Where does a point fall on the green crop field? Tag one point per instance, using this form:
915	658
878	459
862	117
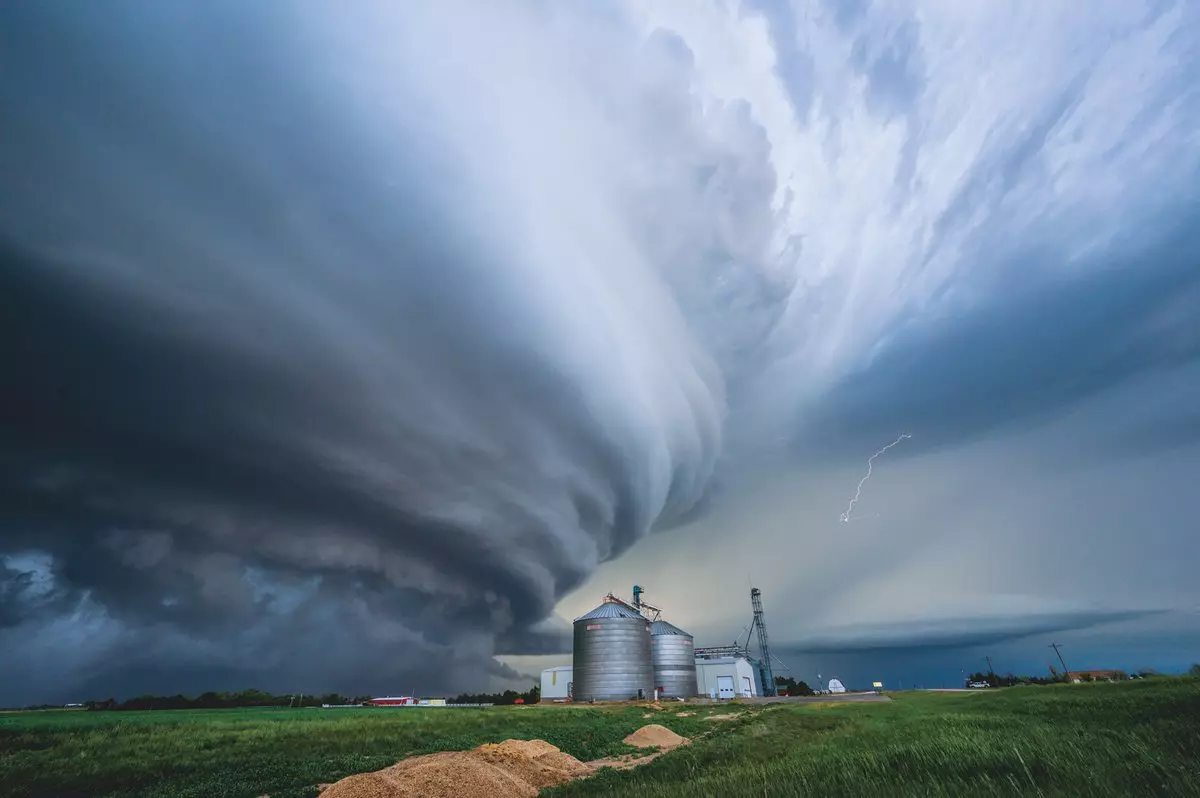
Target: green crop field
1139	738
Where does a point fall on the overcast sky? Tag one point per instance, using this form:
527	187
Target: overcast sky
361	351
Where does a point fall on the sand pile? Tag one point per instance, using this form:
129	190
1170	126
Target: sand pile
511	769
655	736
652	736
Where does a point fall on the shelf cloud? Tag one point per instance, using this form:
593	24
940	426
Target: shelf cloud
340	348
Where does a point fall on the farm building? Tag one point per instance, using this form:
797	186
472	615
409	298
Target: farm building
1096	676
726	677
393	701
626	651
556	683
716	677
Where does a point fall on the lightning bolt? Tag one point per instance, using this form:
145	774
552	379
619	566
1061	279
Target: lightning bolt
845	518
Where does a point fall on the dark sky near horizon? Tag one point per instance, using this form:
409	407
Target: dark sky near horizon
357	352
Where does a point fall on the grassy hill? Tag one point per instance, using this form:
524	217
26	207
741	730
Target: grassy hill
1140	738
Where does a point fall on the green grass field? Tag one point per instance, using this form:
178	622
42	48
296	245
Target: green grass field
1140	738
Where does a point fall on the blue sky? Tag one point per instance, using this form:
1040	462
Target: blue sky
351	352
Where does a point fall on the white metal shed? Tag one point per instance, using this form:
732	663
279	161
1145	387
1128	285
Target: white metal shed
556	682
726	677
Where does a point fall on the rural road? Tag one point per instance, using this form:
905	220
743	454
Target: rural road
816	699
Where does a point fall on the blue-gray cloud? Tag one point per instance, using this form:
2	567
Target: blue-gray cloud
341	348
1034	351
957	632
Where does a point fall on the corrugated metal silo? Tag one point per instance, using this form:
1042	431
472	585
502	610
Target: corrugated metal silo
673	654
612	654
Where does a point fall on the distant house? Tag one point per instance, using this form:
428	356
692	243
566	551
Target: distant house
1095	676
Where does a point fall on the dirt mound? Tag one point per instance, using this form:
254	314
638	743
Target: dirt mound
655	736
511	769
685	714
727	716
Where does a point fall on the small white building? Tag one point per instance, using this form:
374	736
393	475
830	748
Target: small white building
556	683
725	678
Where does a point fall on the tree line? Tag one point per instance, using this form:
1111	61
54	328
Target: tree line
531	696
786	685
261	698
1057	677
222	700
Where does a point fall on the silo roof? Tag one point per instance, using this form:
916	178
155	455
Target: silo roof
610	609
664	628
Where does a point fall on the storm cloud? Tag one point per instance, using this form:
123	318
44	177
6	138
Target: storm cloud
340	348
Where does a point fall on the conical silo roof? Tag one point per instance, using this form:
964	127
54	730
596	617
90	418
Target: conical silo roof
609	609
664	628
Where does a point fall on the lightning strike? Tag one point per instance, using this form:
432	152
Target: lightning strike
845	517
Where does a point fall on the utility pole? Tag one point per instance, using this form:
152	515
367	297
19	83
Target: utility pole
1066	671
991	671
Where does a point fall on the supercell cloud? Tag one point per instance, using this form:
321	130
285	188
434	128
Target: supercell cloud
340	347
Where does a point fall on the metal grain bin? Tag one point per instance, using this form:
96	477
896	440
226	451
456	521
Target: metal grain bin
673	655
612	654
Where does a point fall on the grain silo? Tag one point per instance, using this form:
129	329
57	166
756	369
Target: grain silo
612	654
673	655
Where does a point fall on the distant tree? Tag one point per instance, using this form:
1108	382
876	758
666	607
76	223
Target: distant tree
1194	670
333	699
786	685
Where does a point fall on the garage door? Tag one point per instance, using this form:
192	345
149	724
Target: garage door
725	687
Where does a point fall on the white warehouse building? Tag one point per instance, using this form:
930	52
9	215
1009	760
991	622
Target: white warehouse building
718	677
556	683
726	677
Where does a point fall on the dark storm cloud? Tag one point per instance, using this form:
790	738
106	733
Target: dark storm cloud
25	594
549	637
276	408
